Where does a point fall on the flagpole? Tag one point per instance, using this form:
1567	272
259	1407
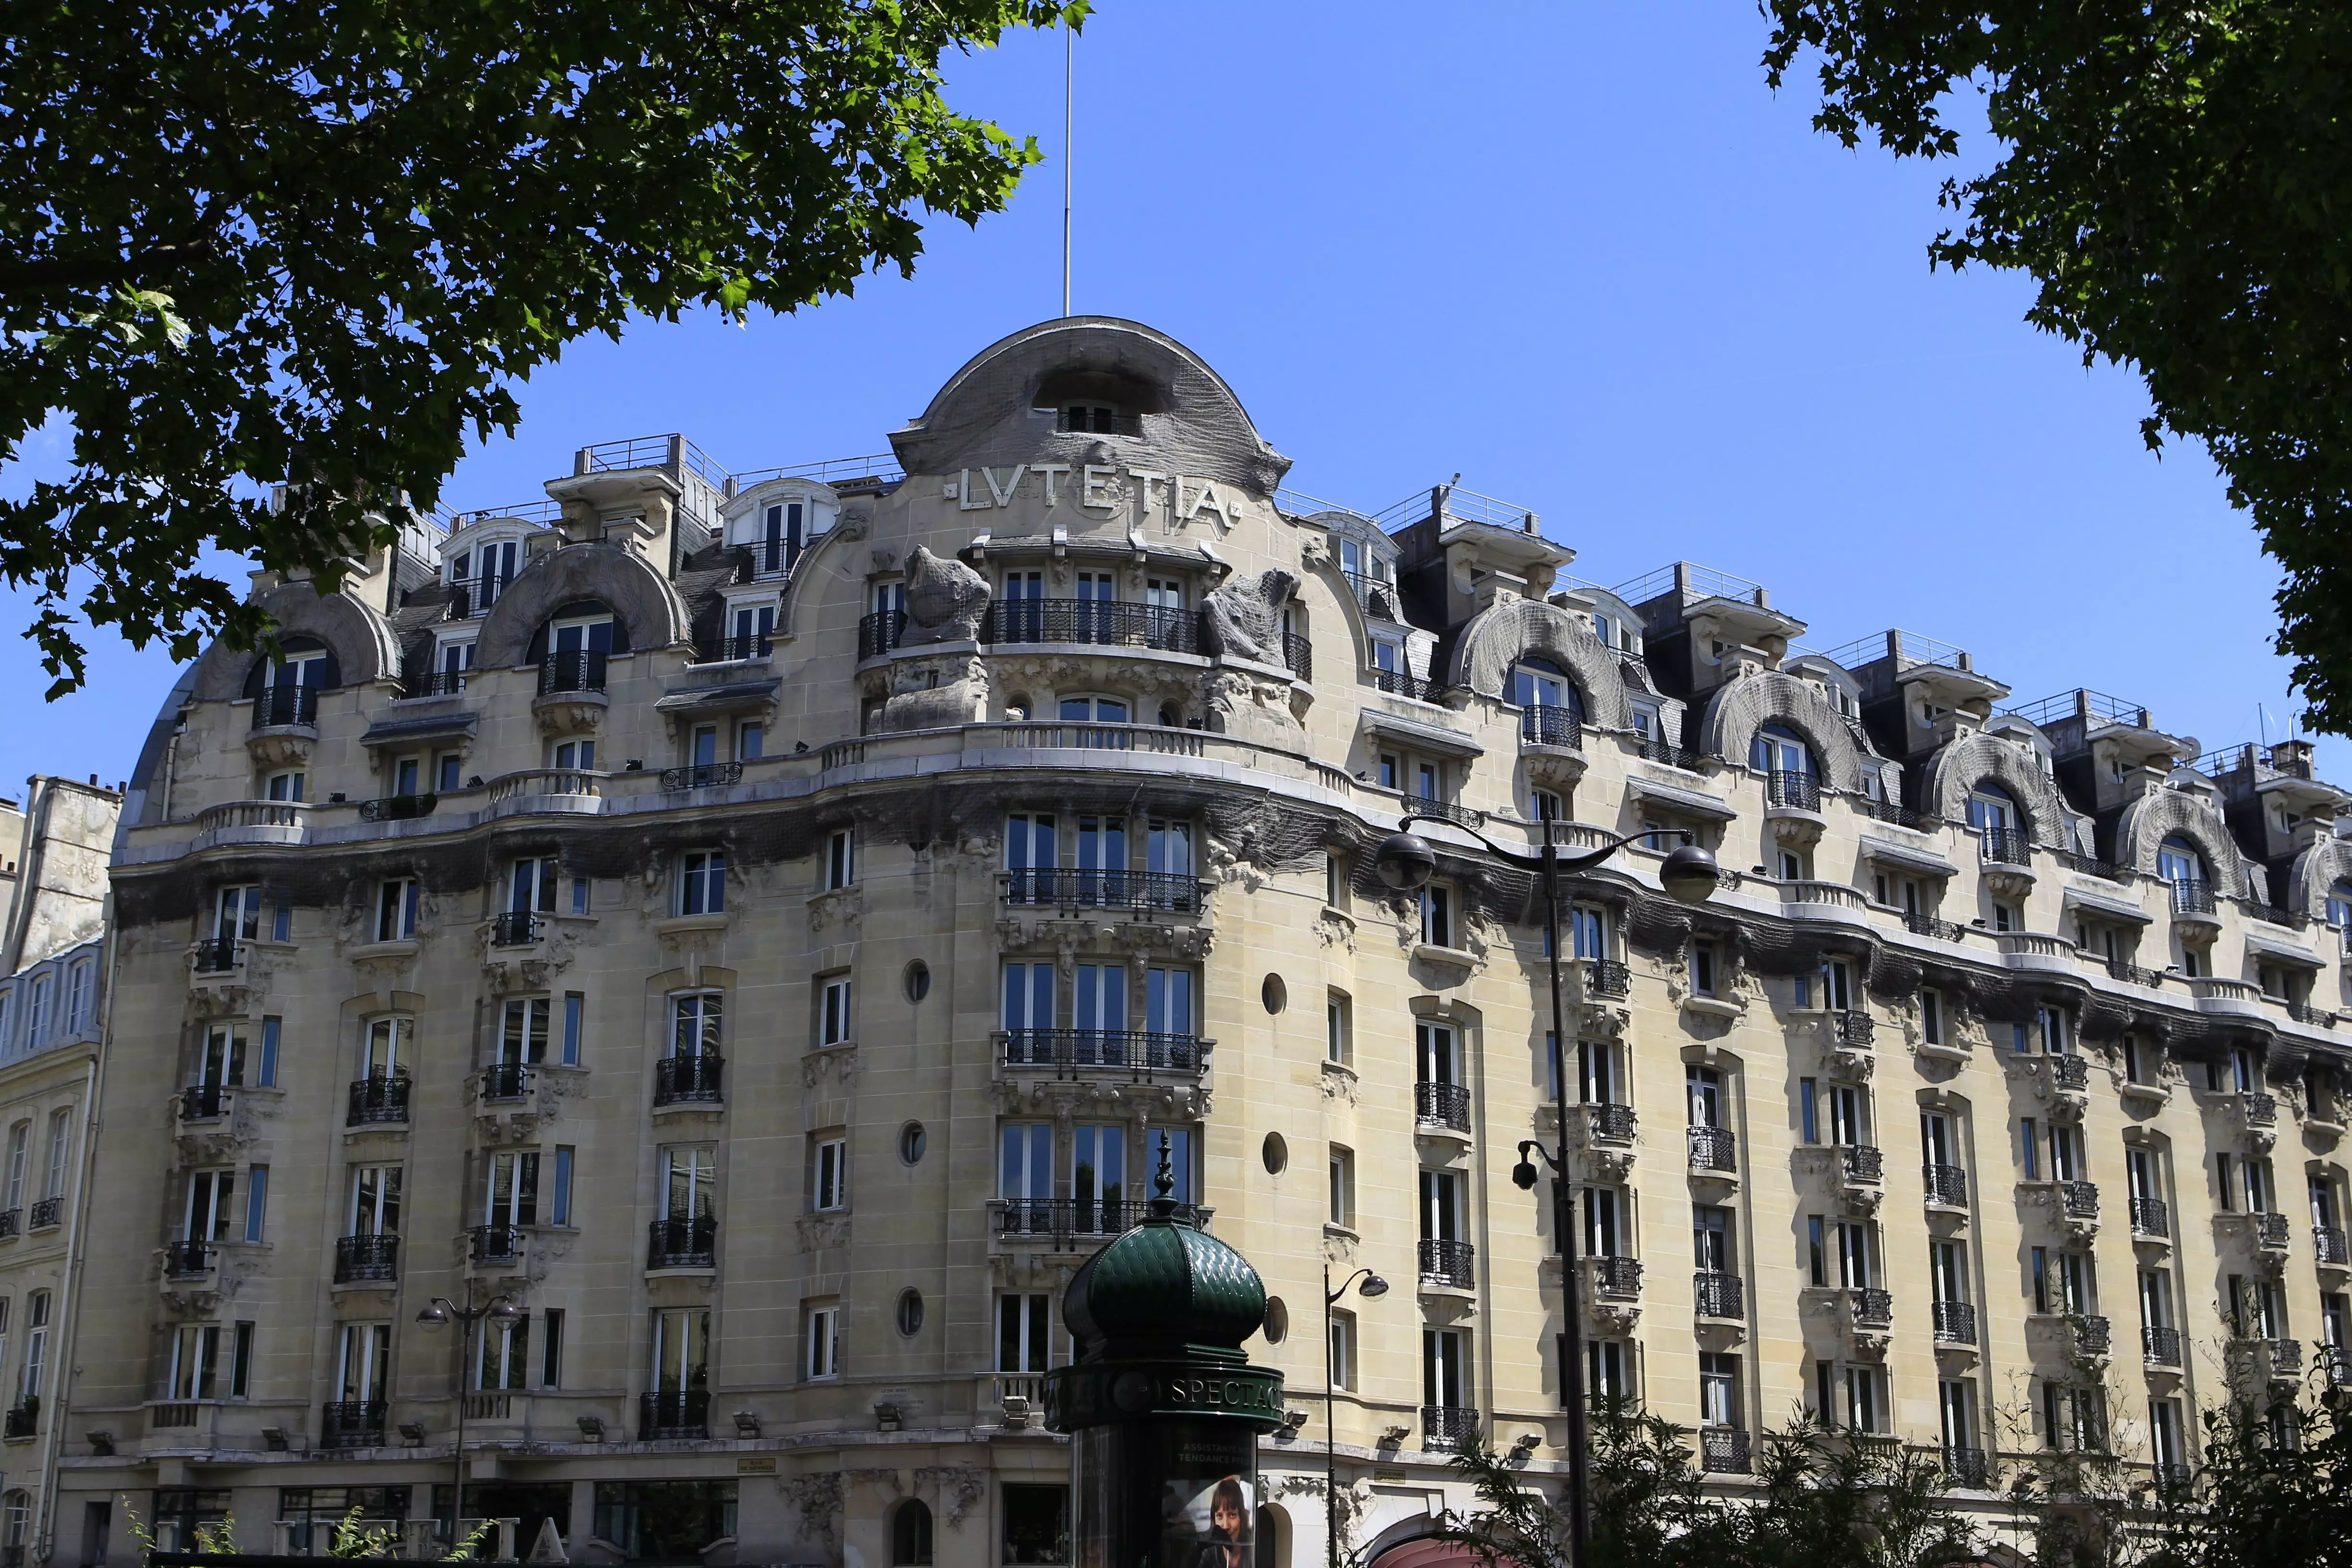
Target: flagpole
1069	118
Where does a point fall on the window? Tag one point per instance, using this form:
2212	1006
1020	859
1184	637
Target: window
2164	1440
530	886
575	1009
1437	1055
288	786
1606	1370
820	1337
1390	778
363	1364
2178	862
1444	1368
2027	1153
1337	1034
1437	916
209	1206
681	1351
1343	1350
695	1019
1718	1389
522	1039
1096	711
1778	750
449	765
702	882
78	998
1342	1211
256	1201
1865	1399
1809	1112
1931	1015
828	1172
502	1356
690	1181
1334	881
240	1363
1440	1207
910	1535
2073	1419
237	914
840	858
1702	968
560	1210
60	1150
574	754
195	1348
386	1047
1545	806
1817	1252
2058	1031
375	1201
395	910
551	1350
1704	1088
1036	1525
833	1012
36	1346
1023	1325
511	1189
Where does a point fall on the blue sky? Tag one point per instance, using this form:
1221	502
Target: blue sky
1578	253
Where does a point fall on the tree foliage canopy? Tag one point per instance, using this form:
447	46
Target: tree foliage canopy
244	243
2177	176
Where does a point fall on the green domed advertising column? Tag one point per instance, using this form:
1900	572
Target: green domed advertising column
1162	1406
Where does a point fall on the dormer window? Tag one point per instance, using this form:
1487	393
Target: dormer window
1098	419
483	573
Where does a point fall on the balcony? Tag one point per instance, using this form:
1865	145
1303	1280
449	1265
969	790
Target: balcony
217	955
12	1223
1550	727
2078	1200
1398	683
398	807
1967	1468
1445	1105
1713	1149
367	1259
1447	1426
47	1214
1606	977
2151	1218
2159	1346
730	650
1900	815
2270	1231
1918	924
352	1424
2068	1071
514	928
1165	629
2133	974
506	1081
702	776
205	1101
2312	1017
683	1241
22	1421
2274	1361
1948	1185
1719	1295
1793	790
495	1244
1073	888
1862	1163
2005	845
2340	1365
689	1080
1854	1028
1448	1263
2092	1336
1062	1222
2260	1109
1610	1124
576	669
1299	656
1671	756
1615	1279
1956	1323
1068	1052
2329	1248
2192	898
286	707
1440	810
685	1414
1872	1308
186	1260
416	684
880	632
1723	1450
378	1100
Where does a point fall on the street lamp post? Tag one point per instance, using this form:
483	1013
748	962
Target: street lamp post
1372	1289
437	1315
1689	875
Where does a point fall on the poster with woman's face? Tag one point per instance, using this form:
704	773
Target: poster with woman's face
1208	1525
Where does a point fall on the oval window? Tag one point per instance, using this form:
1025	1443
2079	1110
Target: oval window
1273	994
910	1312
1277	1321
910	1142
918	981
1276	1154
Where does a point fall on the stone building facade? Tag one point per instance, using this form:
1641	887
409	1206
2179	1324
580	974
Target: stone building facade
756	930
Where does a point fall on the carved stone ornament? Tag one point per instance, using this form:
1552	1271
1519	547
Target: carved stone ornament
945	598
958	1487
1243	618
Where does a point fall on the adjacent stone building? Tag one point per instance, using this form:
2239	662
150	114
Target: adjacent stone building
755	931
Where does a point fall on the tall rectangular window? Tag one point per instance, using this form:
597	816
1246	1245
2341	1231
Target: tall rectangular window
1437	916
257	1200
828	1173
522	1037
833	1015
1343	1350
1342	1210
60	1153
840	858
267	1077
1931	1017
1023	1322
702	882
240	1363
559	1209
1336	1044
575	1014
551	1350
395	910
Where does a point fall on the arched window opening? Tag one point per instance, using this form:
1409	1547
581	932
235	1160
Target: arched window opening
2178	861
1992	806
1791	779
2339	906
910	1535
1551	711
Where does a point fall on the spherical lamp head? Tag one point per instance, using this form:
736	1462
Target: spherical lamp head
1404	862
1523	1174
1373	1285
434	1315
503	1311
1689	875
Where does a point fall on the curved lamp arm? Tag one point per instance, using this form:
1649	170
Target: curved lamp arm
1583	861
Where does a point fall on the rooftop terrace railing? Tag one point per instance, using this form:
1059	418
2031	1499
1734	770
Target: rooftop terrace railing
1694	580
1456	505
2082	700
1908	648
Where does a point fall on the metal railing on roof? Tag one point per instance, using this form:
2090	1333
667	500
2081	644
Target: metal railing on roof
1694	580
1298	503
541	511
1459	505
2244	755
1909	649
672	451
2081	700
880	468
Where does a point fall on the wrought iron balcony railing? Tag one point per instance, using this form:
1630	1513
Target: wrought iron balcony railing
1064	1220
2151	1217
1719	1295
682	1241
1111	1050
1723	1450
217	955
1444	810
1618	1278
689	1080
185	1259
575	669
1442	1105
2271	1231
2328	1245
363	1258
2005	845
1948	1185
1956	1323
352	1424
2315	1017
1672	755
2192	898
416	683
1967	1468
1793	790
1299	656
2133	974
1550	727
12	1222
2069	1072
1918	924
1080	888
513	928
1102	621
1447	1426
2080	1200
1448	1263
1855	1028
880	632
1872	1308
1713	1149
495	1243
22	1421
203	1101
2260	1109
728	650
398	807
1901	816
1401	683
667	1417
280	707
1607	977
46	1213
2159	1345
1863	1162
2092	1335
1610	1124
506	1080
702	776
377	1098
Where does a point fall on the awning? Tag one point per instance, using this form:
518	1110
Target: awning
451	726
1689	802
2284	952
720	698
2107	909
1909	858
1421	734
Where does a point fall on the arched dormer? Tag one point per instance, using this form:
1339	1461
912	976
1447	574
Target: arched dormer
1841	691
2321	878
1498	638
2161	814
648	609
358	641
1738	709
1962	768
779	520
